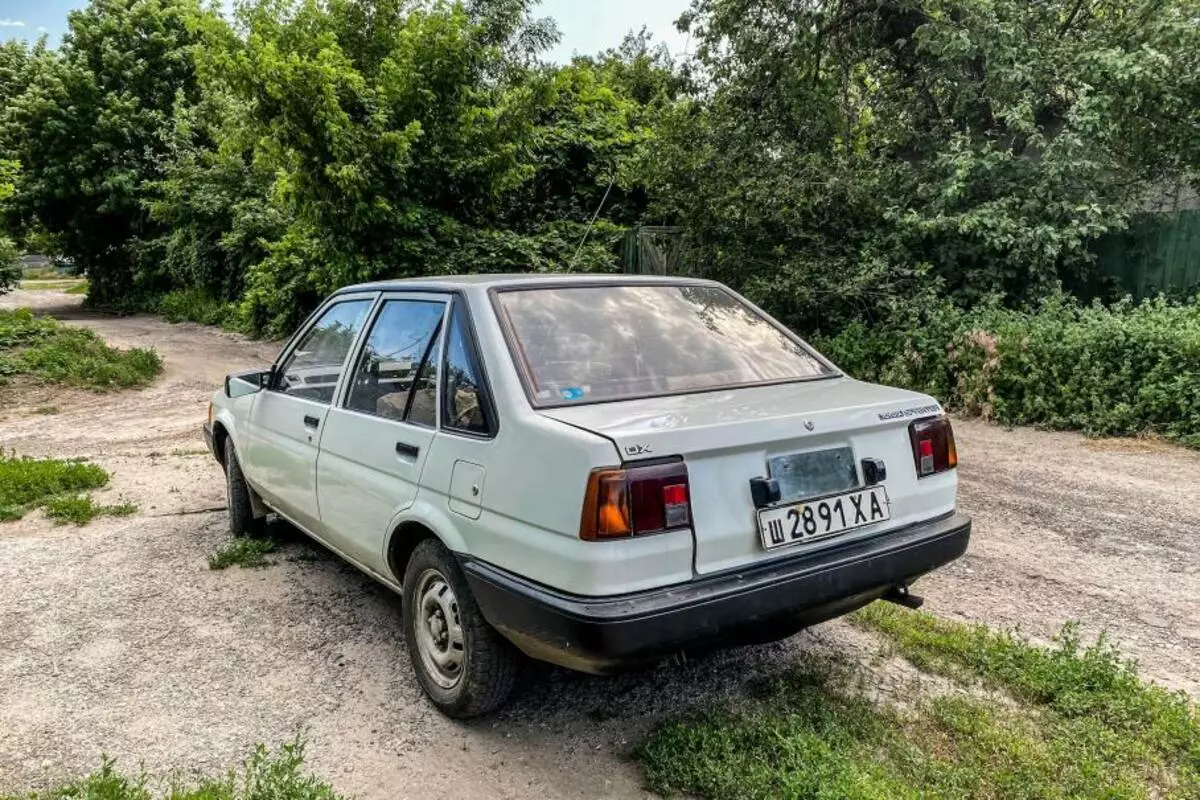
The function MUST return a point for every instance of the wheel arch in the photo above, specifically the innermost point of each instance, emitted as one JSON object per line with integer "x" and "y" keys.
{"x": 419, "y": 522}
{"x": 220, "y": 436}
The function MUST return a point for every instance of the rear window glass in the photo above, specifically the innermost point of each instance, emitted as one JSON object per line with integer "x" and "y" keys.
{"x": 594, "y": 343}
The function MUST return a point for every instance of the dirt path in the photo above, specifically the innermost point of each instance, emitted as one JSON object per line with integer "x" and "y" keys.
{"x": 117, "y": 639}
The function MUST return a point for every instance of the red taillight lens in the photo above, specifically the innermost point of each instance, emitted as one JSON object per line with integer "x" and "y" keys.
{"x": 648, "y": 498}
{"x": 933, "y": 446}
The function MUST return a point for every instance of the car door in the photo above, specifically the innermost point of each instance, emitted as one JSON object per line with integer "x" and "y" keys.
{"x": 461, "y": 453}
{"x": 377, "y": 439}
{"x": 286, "y": 418}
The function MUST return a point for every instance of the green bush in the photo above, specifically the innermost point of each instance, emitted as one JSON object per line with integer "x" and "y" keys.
{"x": 1125, "y": 369}
{"x": 197, "y": 305}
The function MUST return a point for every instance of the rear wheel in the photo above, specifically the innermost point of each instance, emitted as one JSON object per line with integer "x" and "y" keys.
{"x": 465, "y": 667}
{"x": 242, "y": 521}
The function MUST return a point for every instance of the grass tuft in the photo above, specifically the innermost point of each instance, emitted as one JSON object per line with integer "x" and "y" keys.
{"x": 1083, "y": 726}
{"x": 82, "y": 509}
{"x": 245, "y": 552}
{"x": 46, "y": 349}
{"x": 265, "y": 774}
{"x": 29, "y": 482}
{"x": 55, "y": 486}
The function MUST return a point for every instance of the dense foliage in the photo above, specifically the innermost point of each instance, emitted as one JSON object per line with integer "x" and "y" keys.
{"x": 1121, "y": 370}
{"x": 843, "y": 162}
{"x": 852, "y": 155}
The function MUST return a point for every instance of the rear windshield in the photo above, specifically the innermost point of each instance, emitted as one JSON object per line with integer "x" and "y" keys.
{"x": 589, "y": 344}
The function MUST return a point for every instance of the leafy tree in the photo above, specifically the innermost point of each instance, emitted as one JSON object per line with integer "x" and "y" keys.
{"x": 10, "y": 266}
{"x": 88, "y": 132}
{"x": 390, "y": 140}
{"x": 842, "y": 157}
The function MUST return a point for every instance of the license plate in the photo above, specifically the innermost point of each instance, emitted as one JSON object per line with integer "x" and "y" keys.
{"x": 827, "y": 516}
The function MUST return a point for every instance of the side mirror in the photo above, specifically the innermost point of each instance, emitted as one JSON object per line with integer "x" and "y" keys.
{"x": 240, "y": 384}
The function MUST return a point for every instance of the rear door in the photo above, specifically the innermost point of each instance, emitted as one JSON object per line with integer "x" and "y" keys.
{"x": 378, "y": 437}
{"x": 287, "y": 418}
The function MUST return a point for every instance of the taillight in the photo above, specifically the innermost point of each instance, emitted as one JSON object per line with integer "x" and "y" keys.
{"x": 638, "y": 499}
{"x": 933, "y": 446}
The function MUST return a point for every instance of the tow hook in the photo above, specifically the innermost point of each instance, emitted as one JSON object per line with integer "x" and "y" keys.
{"x": 901, "y": 596}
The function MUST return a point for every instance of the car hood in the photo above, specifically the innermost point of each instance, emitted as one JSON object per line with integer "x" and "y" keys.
{"x": 737, "y": 418}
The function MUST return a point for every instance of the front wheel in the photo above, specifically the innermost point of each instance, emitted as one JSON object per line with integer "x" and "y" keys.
{"x": 465, "y": 667}
{"x": 242, "y": 521}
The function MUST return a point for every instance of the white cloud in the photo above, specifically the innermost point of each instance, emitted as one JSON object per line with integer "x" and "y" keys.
{"x": 42, "y": 29}
{"x": 11, "y": 23}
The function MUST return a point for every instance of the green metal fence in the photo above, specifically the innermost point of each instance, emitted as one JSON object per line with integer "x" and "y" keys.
{"x": 1159, "y": 253}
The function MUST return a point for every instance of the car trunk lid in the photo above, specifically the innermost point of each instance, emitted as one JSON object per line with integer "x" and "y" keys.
{"x": 729, "y": 437}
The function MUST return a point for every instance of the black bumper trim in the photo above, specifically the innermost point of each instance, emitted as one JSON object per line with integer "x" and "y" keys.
{"x": 761, "y": 602}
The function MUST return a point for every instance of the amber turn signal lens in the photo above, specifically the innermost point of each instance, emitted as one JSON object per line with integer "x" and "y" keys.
{"x": 606, "y": 506}
{"x": 638, "y": 499}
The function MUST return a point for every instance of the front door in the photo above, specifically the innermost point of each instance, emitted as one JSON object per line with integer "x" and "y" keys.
{"x": 287, "y": 419}
{"x": 376, "y": 441}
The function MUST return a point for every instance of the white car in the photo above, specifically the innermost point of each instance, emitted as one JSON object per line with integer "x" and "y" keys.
{"x": 593, "y": 471}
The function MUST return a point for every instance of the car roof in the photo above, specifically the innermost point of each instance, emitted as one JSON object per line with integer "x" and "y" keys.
{"x": 514, "y": 280}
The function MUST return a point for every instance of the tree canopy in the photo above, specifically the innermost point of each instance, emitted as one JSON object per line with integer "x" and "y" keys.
{"x": 836, "y": 159}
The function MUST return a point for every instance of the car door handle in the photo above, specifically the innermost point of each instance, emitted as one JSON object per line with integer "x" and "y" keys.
{"x": 311, "y": 421}
{"x": 407, "y": 450}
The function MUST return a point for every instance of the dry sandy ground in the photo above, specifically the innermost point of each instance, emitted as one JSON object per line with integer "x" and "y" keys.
{"x": 117, "y": 639}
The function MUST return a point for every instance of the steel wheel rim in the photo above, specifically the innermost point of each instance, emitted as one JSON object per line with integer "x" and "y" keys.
{"x": 438, "y": 629}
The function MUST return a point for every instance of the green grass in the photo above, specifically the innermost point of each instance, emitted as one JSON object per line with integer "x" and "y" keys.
{"x": 82, "y": 509}
{"x": 1077, "y": 723}
{"x": 49, "y": 285}
{"x": 1074, "y": 681}
{"x": 55, "y": 486}
{"x": 79, "y": 288}
{"x": 244, "y": 552}
{"x": 48, "y": 350}
{"x": 265, "y": 775}
{"x": 27, "y": 483}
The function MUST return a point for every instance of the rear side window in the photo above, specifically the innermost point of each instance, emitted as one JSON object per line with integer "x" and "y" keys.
{"x": 465, "y": 405}
{"x": 396, "y": 373}
{"x": 594, "y": 343}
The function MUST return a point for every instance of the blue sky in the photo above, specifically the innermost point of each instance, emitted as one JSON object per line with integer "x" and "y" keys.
{"x": 588, "y": 26}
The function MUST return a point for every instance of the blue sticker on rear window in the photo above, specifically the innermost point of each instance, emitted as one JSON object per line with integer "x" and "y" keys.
{"x": 571, "y": 393}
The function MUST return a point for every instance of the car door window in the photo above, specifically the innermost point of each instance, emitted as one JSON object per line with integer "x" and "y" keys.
{"x": 396, "y": 373}
{"x": 312, "y": 369}
{"x": 464, "y": 401}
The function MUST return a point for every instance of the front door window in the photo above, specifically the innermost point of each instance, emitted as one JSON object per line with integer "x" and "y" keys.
{"x": 312, "y": 369}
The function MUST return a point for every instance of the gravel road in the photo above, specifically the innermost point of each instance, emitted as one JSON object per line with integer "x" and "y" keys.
{"x": 116, "y": 638}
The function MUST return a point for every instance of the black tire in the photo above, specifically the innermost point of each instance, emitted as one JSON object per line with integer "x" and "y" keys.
{"x": 487, "y": 662}
{"x": 242, "y": 521}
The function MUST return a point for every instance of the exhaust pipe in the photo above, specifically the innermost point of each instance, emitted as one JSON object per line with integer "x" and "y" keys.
{"x": 901, "y": 596}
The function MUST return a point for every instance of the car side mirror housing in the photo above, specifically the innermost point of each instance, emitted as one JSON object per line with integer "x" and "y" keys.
{"x": 240, "y": 384}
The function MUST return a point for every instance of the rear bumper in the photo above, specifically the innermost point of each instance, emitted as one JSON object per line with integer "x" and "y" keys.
{"x": 758, "y": 603}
